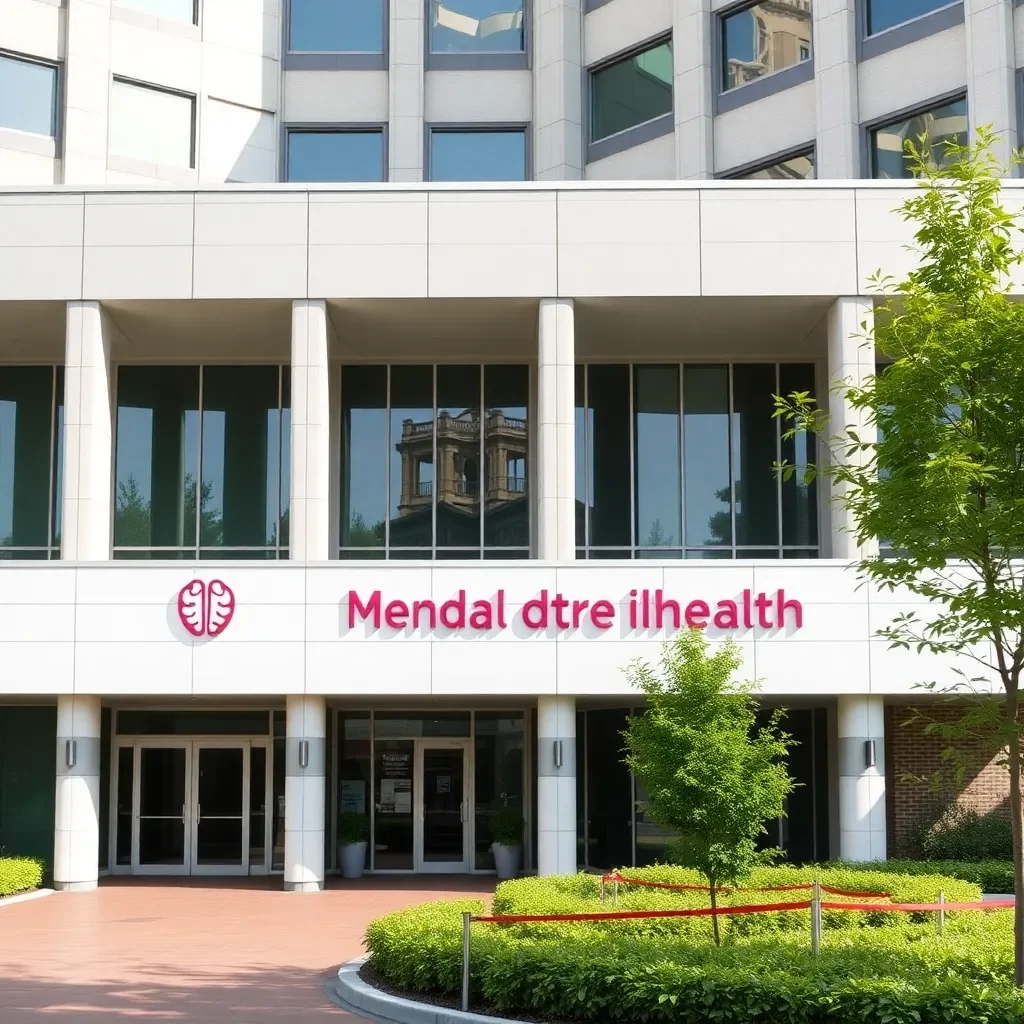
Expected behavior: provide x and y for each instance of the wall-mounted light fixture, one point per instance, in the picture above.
(558, 753)
(71, 753)
(303, 753)
(869, 754)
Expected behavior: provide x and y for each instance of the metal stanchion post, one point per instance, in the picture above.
(616, 897)
(466, 919)
(815, 919)
(940, 917)
(602, 888)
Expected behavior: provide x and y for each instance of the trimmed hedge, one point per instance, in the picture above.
(872, 968)
(995, 876)
(17, 874)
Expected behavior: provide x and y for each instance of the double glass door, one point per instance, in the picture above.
(197, 806)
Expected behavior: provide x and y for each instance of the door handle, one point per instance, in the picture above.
(199, 813)
(183, 814)
(462, 812)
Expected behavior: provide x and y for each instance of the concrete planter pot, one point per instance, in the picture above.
(352, 858)
(507, 860)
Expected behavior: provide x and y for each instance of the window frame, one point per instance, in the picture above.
(724, 99)
(628, 138)
(739, 171)
(521, 60)
(906, 32)
(477, 127)
(133, 16)
(332, 128)
(334, 60)
(123, 161)
(869, 127)
(54, 139)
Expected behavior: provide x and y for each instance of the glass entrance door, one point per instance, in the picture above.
(220, 837)
(162, 837)
(445, 814)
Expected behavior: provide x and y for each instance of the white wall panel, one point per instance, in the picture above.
(336, 96)
(623, 23)
(238, 143)
(33, 27)
(651, 161)
(462, 96)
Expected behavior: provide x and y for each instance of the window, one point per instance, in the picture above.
(478, 154)
(631, 91)
(676, 461)
(225, 454)
(28, 96)
(763, 39)
(793, 168)
(883, 14)
(31, 461)
(335, 155)
(434, 462)
(336, 26)
(476, 26)
(938, 125)
(175, 10)
(152, 125)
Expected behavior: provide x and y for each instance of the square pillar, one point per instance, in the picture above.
(405, 91)
(991, 72)
(861, 782)
(87, 505)
(305, 772)
(837, 147)
(556, 785)
(86, 85)
(558, 91)
(851, 358)
(556, 415)
(310, 532)
(76, 847)
(693, 88)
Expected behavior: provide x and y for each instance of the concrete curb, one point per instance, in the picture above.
(357, 996)
(24, 897)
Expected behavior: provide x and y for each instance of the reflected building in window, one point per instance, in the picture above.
(765, 38)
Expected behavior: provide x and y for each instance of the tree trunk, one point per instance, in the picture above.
(714, 917)
(1016, 824)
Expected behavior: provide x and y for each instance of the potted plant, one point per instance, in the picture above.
(353, 833)
(507, 829)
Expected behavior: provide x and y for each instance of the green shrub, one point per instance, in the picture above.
(353, 828)
(507, 827)
(17, 874)
(962, 834)
(995, 876)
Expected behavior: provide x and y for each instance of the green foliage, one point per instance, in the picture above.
(892, 970)
(963, 834)
(507, 827)
(992, 876)
(710, 775)
(353, 828)
(17, 874)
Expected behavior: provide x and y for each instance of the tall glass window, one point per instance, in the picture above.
(202, 462)
(31, 461)
(678, 461)
(631, 91)
(762, 39)
(434, 462)
(939, 125)
(476, 26)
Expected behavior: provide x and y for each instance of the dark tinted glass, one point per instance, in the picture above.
(755, 452)
(477, 155)
(581, 454)
(656, 457)
(506, 443)
(347, 26)
(706, 456)
(799, 498)
(335, 156)
(631, 91)
(796, 168)
(608, 392)
(364, 455)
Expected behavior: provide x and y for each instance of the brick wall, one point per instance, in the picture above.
(909, 750)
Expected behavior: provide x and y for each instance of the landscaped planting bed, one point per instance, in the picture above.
(19, 874)
(874, 968)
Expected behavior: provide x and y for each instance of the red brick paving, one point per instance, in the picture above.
(194, 950)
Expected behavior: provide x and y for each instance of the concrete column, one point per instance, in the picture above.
(861, 783)
(87, 87)
(693, 88)
(837, 149)
(88, 432)
(851, 358)
(556, 785)
(305, 759)
(558, 90)
(991, 68)
(405, 91)
(310, 532)
(76, 847)
(556, 446)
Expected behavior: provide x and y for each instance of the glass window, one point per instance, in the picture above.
(335, 155)
(754, 453)
(364, 434)
(28, 96)
(460, 457)
(608, 454)
(31, 411)
(336, 26)
(477, 155)
(476, 26)
(706, 487)
(354, 765)
(412, 457)
(763, 39)
(152, 125)
(631, 91)
(175, 10)
(883, 14)
(609, 791)
(506, 444)
(499, 741)
(799, 499)
(794, 168)
(227, 459)
(938, 125)
(656, 442)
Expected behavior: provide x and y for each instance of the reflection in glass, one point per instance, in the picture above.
(582, 441)
(335, 155)
(497, 775)
(608, 452)
(393, 805)
(609, 791)
(336, 26)
(653, 841)
(754, 454)
(460, 155)
(631, 91)
(706, 485)
(763, 39)
(794, 168)
(458, 457)
(28, 96)
(476, 26)
(883, 14)
(799, 498)
(364, 434)
(58, 462)
(354, 765)
(412, 456)
(507, 513)
(939, 125)
(656, 455)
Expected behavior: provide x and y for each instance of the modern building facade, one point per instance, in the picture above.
(186, 92)
(499, 441)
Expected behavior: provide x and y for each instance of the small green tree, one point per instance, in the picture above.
(710, 775)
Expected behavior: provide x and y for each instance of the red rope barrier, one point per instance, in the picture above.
(919, 907)
(623, 915)
(799, 886)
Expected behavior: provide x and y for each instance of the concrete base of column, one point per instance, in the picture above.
(76, 844)
(303, 886)
(75, 886)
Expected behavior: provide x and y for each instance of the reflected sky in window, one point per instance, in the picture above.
(336, 26)
(477, 155)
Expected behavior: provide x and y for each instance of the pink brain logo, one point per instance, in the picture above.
(206, 609)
